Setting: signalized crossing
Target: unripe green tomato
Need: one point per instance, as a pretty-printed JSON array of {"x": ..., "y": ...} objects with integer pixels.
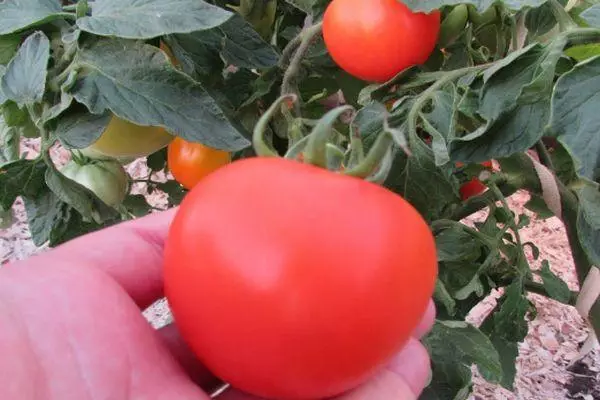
[
  {"x": 487, "y": 17},
  {"x": 105, "y": 178},
  {"x": 453, "y": 25}
]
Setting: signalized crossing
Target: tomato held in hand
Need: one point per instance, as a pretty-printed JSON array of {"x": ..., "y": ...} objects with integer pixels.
[
  {"x": 190, "y": 162},
  {"x": 289, "y": 281},
  {"x": 376, "y": 39}
]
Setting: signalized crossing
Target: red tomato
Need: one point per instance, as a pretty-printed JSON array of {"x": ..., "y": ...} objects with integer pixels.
[
  {"x": 190, "y": 162},
  {"x": 292, "y": 282},
  {"x": 472, "y": 188},
  {"x": 376, "y": 39}
]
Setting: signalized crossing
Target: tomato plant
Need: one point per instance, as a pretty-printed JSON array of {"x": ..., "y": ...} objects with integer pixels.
[
  {"x": 412, "y": 96},
  {"x": 385, "y": 38},
  {"x": 296, "y": 290},
  {"x": 190, "y": 162},
  {"x": 105, "y": 178}
]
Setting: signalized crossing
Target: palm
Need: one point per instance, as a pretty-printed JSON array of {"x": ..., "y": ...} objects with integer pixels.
[{"x": 72, "y": 327}]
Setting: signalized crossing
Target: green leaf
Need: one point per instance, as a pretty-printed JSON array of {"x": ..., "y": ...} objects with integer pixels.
[
  {"x": 13, "y": 115},
  {"x": 588, "y": 221},
  {"x": 79, "y": 197},
  {"x": 509, "y": 321},
  {"x": 583, "y": 52},
  {"x": 45, "y": 213},
  {"x": 514, "y": 101},
  {"x": 506, "y": 328},
  {"x": 174, "y": 190},
  {"x": 21, "y": 14},
  {"x": 145, "y": 19},
  {"x": 454, "y": 346},
  {"x": 557, "y": 288},
  {"x": 8, "y": 47},
  {"x": 235, "y": 41},
  {"x": 79, "y": 130},
  {"x": 21, "y": 177},
  {"x": 441, "y": 122},
  {"x": 137, "y": 83},
  {"x": 24, "y": 81},
  {"x": 456, "y": 245},
  {"x": 539, "y": 206},
  {"x": 157, "y": 161},
  {"x": 416, "y": 178},
  {"x": 9, "y": 143},
  {"x": 137, "y": 205},
  {"x": 575, "y": 119},
  {"x": 3, "y": 97},
  {"x": 540, "y": 20},
  {"x": 592, "y": 16},
  {"x": 481, "y": 5}
]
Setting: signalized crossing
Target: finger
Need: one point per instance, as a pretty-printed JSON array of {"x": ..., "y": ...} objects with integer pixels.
[
  {"x": 130, "y": 252},
  {"x": 197, "y": 372},
  {"x": 404, "y": 378},
  {"x": 426, "y": 322}
]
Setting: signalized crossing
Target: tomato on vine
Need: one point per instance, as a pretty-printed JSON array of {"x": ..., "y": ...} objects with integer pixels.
[
  {"x": 190, "y": 162},
  {"x": 105, "y": 178},
  {"x": 375, "y": 40},
  {"x": 277, "y": 289},
  {"x": 474, "y": 186}
]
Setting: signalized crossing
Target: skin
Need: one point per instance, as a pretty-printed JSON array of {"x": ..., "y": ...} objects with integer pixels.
[{"x": 72, "y": 327}]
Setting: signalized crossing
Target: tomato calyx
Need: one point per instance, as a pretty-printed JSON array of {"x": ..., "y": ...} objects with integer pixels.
[{"x": 321, "y": 147}]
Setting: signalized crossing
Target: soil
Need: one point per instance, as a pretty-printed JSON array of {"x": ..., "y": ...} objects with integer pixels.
[{"x": 549, "y": 365}]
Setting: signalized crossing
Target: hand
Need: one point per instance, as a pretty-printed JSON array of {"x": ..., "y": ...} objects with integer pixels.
[{"x": 72, "y": 327}]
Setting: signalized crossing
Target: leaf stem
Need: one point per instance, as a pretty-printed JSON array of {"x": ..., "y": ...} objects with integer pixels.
[
  {"x": 306, "y": 38},
  {"x": 426, "y": 95},
  {"x": 544, "y": 155},
  {"x": 565, "y": 22},
  {"x": 258, "y": 137}
]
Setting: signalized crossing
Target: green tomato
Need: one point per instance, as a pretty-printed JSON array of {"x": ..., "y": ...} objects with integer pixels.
[{"x": 105, "y": 178}]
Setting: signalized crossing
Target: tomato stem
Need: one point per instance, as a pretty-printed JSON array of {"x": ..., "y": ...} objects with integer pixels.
[
  {"x": 306, "y": 38},
  {"x": 258, "y": 137},
  {"x": 316, "y": 147},
  {"x": 375, "y": 158}
]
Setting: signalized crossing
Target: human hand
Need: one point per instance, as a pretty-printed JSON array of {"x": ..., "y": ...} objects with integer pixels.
[{"x": 72, "y": 327}]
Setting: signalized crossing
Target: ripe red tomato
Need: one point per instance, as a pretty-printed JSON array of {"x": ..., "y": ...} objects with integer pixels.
[
  {"x": 292, "y": 282},
  {"x": 472, "y": 188},
  {"x": 376, "y": 39},
  {"x": 190, "y": 162}
]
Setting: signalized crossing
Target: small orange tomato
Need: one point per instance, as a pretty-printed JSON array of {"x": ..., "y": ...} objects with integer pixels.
[{"x": 190, "y": 162}]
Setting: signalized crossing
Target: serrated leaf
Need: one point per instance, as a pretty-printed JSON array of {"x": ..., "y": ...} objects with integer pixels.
[
  {"x": 21, "y": 177},
  {"x": 575, "y": 119},
  {"x": 514, "y": 101},
  {"x": 458, "y": 343},
  {"x": 481, "y": 5},
  {"x": 8, "y": 47},
  {"x": 137, "y": 83},
  {"x": 146, "y": 19},
  {"x": 588, "y": 221},
  {"x": 79, "y": 130},
  {"x": 20, "y": 14},
  {"x": 540, "y": 20},
  {"x": 137, "y": 205},
  {"x": 157, "y": 161},
  {"x": 556, "y": 288},
  {"x": 417, "y": 179},
  {"x": 583, "y": 52},
  {"x": 24, "y": 80},
  {"x": 45, "y": 213},
  {"x": 509, "y": 321},
  {"x": 9, "y": 143},
  {"x": 456, "y": 245},
  {"x": 235, "y": 41},
  {"x": 592, "y": 16}
]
